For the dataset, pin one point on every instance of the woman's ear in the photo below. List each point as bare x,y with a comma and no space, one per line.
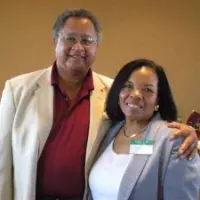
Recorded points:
156,107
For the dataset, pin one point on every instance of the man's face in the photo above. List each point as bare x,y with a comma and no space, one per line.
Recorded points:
76,47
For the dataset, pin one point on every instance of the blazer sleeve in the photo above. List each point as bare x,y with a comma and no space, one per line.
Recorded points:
182,178
7,112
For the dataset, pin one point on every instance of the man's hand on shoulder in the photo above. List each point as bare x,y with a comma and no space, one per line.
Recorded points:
189,144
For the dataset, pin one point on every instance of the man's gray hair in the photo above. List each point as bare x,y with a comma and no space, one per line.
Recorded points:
79,13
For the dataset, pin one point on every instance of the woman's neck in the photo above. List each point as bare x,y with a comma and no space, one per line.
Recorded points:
135,125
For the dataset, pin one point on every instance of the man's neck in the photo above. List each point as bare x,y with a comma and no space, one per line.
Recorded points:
71,87
71,83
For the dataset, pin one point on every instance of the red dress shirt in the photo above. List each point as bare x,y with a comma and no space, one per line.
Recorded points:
61,165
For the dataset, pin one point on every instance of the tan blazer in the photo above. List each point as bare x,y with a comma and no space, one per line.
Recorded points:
26,113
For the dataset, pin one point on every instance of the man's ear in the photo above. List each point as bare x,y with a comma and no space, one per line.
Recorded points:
55,40
98,44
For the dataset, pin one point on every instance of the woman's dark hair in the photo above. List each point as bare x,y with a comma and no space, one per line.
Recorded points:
167,107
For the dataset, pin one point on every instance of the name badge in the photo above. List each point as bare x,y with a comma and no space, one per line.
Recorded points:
141,147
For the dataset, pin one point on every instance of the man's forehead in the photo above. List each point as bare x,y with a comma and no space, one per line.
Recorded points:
78,22
78,25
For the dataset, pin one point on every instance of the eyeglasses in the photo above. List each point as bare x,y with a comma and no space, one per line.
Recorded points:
72,40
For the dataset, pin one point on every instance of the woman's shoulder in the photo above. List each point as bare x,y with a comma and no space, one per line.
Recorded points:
164,134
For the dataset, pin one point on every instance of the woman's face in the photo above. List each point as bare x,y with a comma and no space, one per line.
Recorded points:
138,97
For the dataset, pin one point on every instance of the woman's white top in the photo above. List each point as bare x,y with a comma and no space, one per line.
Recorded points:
107,173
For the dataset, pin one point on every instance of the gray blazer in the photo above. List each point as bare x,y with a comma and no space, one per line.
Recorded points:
162,175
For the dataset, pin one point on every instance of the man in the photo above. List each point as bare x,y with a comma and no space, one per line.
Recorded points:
49,118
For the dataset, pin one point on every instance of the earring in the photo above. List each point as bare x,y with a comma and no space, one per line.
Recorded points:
156,108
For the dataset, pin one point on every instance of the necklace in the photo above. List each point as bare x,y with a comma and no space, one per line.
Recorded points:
134,134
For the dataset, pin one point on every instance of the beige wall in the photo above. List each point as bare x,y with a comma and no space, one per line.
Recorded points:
167,31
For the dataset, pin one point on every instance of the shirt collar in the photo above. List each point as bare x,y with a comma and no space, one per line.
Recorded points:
88,83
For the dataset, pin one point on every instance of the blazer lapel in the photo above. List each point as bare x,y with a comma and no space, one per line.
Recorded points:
97,101
109,137
44,101
131,176
104,137
137,163
99,123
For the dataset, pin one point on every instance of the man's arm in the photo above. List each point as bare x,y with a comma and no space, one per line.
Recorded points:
7,112
189,144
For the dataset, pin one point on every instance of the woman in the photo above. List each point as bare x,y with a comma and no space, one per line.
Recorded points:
137,159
